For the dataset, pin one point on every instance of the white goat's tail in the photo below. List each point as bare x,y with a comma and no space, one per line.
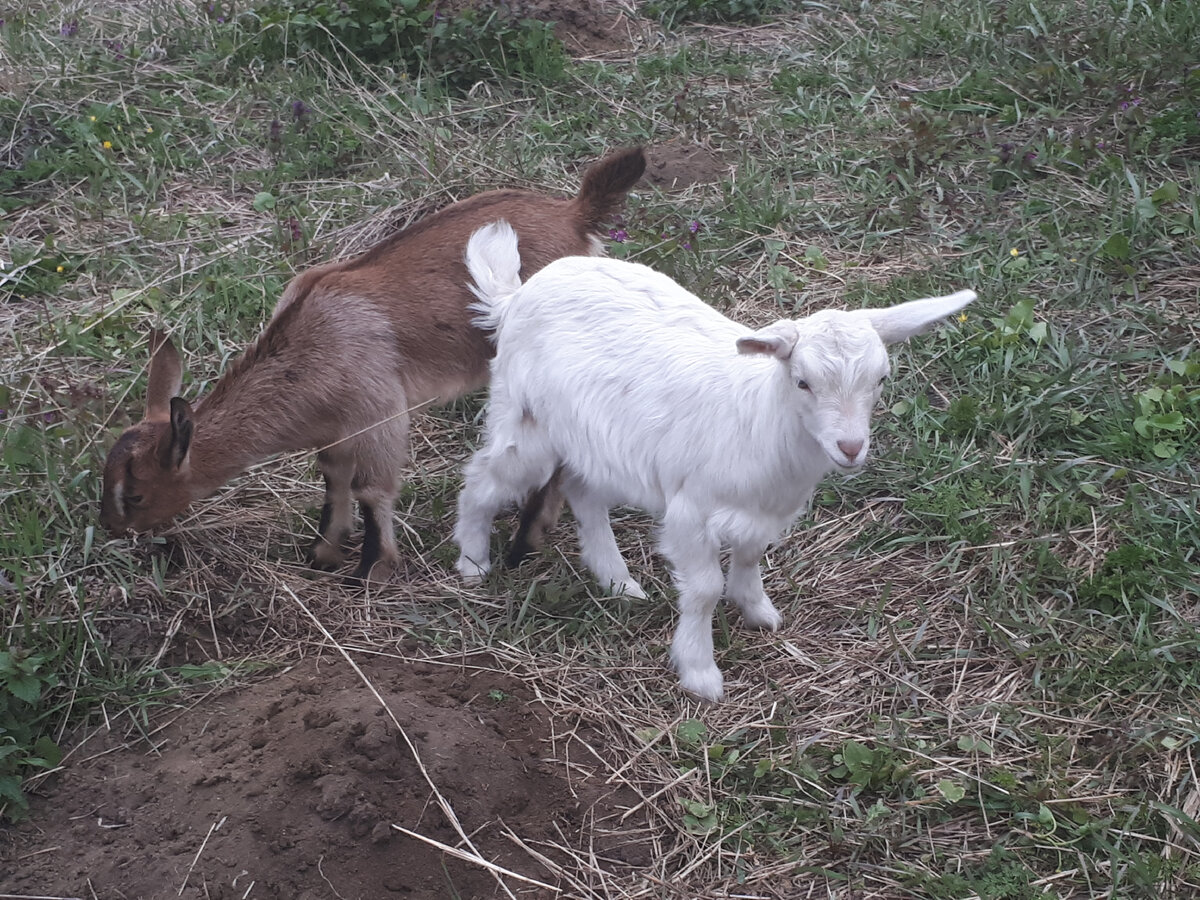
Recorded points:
495,268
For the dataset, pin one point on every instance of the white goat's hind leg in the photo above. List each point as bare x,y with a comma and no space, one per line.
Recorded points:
494,478
597,543
696,563
745,588
478,503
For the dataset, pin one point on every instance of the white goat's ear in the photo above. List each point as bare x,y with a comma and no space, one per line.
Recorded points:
166,378
898,323
776,340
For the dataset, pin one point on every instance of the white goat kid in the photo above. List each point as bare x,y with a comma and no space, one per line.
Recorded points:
646,396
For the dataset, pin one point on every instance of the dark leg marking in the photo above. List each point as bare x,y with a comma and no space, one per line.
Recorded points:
371,538
533,522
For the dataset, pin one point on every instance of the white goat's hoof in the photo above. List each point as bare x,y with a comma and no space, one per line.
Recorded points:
705,682
630,589
472,572
761,613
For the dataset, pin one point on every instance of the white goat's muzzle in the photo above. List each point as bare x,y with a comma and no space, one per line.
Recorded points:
849,454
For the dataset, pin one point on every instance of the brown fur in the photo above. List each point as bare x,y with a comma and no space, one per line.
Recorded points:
352,349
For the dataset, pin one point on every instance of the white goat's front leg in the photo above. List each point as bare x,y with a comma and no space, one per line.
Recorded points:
744,587
598,544
696,564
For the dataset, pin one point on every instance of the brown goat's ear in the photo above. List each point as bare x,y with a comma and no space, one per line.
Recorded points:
166,378
174,444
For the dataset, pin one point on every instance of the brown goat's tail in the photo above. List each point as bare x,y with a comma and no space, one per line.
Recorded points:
606,183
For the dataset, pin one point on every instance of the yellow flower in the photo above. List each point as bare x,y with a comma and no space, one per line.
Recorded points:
92,118
962,317
1014,252
108,145
119,128
149,130
59,269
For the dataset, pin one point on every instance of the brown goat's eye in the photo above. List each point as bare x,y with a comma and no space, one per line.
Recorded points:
134,500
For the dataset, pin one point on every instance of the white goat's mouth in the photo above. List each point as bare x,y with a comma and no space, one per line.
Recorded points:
844,466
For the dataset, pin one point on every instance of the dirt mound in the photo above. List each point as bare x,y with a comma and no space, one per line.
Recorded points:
676,166
289,788
585,27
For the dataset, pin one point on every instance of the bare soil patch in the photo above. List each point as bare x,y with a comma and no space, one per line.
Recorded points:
585,27
289,788
676,166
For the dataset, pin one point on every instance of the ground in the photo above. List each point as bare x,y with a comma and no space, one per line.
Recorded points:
290,787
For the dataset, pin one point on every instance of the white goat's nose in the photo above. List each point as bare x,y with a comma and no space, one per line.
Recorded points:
850,448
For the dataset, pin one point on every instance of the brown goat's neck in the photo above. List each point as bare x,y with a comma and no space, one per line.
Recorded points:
247,417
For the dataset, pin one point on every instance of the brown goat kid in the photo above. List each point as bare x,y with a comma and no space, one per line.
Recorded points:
351,350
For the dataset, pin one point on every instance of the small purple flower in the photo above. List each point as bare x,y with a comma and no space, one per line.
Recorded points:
299,110
1123,105
620,235
1100,145
694,226
220,20
687,245
294,228
212,7
3,412
1006,150
1030,156
69,29
50,417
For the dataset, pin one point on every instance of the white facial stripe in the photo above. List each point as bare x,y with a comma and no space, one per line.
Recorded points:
118,496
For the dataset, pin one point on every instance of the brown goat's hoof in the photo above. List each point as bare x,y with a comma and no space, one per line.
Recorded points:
324,556
518,551
377,574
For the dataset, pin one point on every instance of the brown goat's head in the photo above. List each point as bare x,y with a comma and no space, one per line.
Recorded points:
146,476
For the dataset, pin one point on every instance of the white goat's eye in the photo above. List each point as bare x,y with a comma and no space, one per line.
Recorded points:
802,384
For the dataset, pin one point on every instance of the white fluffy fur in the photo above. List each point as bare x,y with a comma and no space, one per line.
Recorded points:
648,397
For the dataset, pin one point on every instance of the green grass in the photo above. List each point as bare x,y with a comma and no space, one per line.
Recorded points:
988,681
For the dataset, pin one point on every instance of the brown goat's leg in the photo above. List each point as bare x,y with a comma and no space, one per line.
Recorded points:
380,455
328,551
380,555
539,513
